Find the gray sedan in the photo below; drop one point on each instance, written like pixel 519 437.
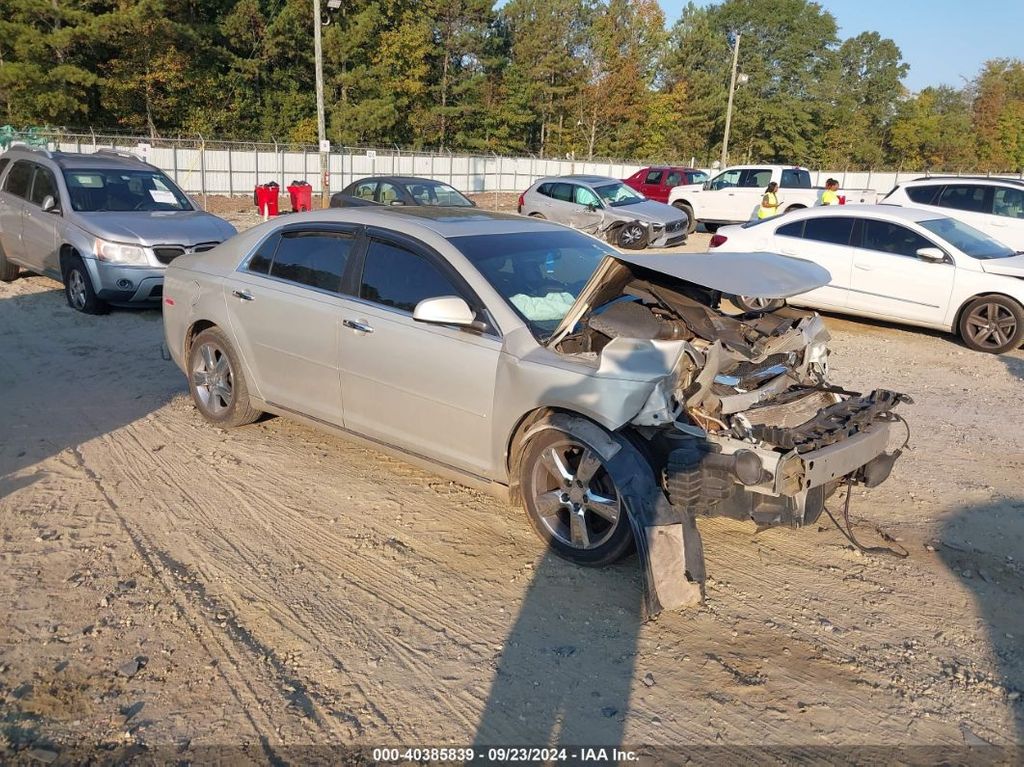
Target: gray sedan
pixel 607 207
pixel 607 394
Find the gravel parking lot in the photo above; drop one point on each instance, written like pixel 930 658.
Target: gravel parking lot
pixel 166 583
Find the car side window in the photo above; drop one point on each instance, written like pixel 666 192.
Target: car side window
pixel 923 195
pixel 888 237
pixel 654 177
pixel 794 178
pixel 1008 202
pixel 396 277
pixel 726 180
pixel 584 196
pixel 260 261
pixel 835 230
pixel 365 190
pixel 562 192
pixel 967 197
pixel 544 189
pixel 793 229
pixel 674 178
pixel 316 259
pixel 388 193
pixel 44 186
pixel 754 177
pixel 4 161
pixel 19 179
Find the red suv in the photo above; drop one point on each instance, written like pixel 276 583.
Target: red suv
pixel 657 181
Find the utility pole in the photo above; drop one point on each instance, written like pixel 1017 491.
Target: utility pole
pixel 318 53
pixel 728 111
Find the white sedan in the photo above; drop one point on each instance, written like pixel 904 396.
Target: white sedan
pixel 899 264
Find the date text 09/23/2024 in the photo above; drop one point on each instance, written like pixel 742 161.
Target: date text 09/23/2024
pixel 504 754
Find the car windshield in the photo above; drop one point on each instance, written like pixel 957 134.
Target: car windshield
pixel 967 239
pixel 540 274
pixel 96 191
pixel 436 193
pixel 618 194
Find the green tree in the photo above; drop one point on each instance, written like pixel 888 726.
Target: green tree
pixel 998 105
pixel 932 131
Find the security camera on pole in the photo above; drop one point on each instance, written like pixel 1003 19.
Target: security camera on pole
pixel 318 53
pixel 734 39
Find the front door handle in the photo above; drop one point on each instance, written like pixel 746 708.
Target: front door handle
pixel 863 268
pixel 245 295
pixel 362 327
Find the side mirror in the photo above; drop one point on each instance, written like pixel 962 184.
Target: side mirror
pixel 444 310
pixel 935 255
pixel 706 186
pixel 50 205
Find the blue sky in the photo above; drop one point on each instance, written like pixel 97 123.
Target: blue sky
pixel 940 39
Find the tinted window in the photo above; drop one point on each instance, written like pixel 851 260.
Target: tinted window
pixel 967 197
pixel 435 193
pixel 654 177
pixel 3 164
pixel 316 259
pixel 260 260
pixel 364 190
pixel 794 229
pixel 1008 202
pixel 562 192
pixel 544 189
pixel 892 238
pixel 832 229
pixel 44 186
pixel 922 195
pixel 795 178
pixel 396 277
pixel 19 179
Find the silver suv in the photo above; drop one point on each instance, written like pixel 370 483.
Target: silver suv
pixel 105 224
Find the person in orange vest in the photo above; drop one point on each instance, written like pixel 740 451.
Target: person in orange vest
pixel 770 202
pixel 831 194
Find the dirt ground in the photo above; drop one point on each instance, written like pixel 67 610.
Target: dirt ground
pixel 170 585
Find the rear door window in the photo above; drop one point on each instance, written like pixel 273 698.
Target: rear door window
pixel 971 198
pixel 314 259
pixel 398 278
pixel 756 177
pixel 19 180
pixel 562 192
pixel 793 229
pixel 835 230
pixel 922 195
pixel 795 178
pixel 675 178
pixel 44 186
pixel 887 237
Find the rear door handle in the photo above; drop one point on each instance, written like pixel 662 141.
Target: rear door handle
pixel 245 295
pixel 362 327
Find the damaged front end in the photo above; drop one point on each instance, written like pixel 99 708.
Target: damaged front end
pixel 744 425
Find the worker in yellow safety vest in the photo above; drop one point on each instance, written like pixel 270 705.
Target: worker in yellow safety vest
pixel 831 194
pixel 770 202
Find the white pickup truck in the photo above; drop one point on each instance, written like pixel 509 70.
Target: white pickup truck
pixel 734 195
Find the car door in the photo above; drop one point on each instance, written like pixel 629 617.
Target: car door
pixel 672 179
pixel 889 280
pixel 13 201
pixel 825 240
pixel 745 199
pixel 1007 219
pixel 425 388
pixel 38 227
pixel 715 201
pixel 285 307
pixel 561 202
pixel 586 210
pixel 651 187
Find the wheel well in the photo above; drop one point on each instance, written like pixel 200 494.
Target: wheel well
pixel 681 203
pixel 66 252
pixel 960 312
pixel 194 330
pixel 795 207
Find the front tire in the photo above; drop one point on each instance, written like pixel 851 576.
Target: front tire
pixel 572 501
pixel 756 305
pixel 631 236
pixel 691 222
pixel 993 324
pixel 216 381
pixel 78 289
pixel 8 271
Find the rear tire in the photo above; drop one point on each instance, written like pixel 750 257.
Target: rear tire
pixel 216 381
pixel 993 324
pixel 8 271
pixel 691 225
pixel 78 288
pixel 537 215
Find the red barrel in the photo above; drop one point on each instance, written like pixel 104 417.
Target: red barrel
pixel 301 194
pixel 264 197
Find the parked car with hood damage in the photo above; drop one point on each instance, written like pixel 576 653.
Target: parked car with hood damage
pixel 606 207
pixel 606 393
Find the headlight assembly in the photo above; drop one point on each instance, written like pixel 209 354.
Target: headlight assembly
pixel 116 253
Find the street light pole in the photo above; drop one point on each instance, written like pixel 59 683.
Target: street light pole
pixel 318 53
pixel 728 111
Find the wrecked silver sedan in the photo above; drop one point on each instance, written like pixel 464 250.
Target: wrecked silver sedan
pixel 607 394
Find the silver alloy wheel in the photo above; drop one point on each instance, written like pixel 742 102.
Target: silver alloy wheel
pixel 76 289
pixel 574 496
pixel 631 234
pixel 991 325
pixel 212 378
pixel 756 302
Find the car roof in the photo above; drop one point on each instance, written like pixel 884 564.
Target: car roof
pixel 944 179
pixel 403 180
pixel 445 222
pixel 581 178
pixel 914 215
pixel 103 158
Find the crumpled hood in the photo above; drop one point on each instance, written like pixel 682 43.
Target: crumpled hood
pixel 1011 267
pixel 768 275
pixel 188 227
pixel 648 211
